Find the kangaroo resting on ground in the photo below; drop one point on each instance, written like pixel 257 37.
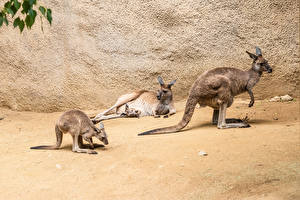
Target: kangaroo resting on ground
pixel 143 103
pixel 216 88
pixel 79 125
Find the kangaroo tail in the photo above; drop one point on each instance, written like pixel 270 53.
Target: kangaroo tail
pixel 59 136
pixel 188 113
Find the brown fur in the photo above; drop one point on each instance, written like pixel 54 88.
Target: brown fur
pixel 216 88
pixel 78 124
pixel 142 103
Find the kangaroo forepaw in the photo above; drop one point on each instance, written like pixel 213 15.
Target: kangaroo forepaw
pixel 246 120
pixel 166 116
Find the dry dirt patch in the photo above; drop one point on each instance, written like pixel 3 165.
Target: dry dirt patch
pixel 261 162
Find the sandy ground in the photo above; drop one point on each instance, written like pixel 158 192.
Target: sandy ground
pixel 261 162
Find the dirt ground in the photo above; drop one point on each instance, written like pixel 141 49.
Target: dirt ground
pixel 260 162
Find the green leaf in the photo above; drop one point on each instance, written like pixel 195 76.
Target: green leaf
pixel 31 2
pixel 17 22
pixel 5 20
pixel 10 11
pixel 49 15
pixel 7 4
pixel 30 18
pixel 1 20
pixel 25 7
pixel 32 12
pixel 27 21
pixel 14 10
pixel 17 4
pixel 43 10
pixel 21 25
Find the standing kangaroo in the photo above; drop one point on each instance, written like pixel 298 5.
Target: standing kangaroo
pixel 216 88
pixel 78 124
pixel 143 103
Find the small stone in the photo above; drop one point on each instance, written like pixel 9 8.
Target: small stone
pixel 286 98
pixel 275 99
pixel 202 153
pixel 58 166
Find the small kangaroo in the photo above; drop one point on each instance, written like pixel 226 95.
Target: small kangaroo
pixel 78 124
pixel 143 103
pixel 128 113
pixel 216 88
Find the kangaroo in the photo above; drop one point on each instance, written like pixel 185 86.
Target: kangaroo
pixel 128 113
pixel 143 103
pixel 216 88
pixel 78 124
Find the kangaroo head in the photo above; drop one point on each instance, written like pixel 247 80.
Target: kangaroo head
pixel 101 134
pixel 165 95
pixel 259 63
pixel 131 112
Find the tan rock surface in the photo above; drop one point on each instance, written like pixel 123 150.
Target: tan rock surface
pixel 97 50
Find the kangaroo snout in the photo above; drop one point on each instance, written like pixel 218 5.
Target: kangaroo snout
pixel 158 95
pixel 270 70
pixel 105 141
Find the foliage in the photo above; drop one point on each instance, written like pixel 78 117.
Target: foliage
pixel 27 15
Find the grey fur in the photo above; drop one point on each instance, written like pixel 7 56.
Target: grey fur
pixel 258 51
pixel 160 80
pixel 216 88
pixel 78 124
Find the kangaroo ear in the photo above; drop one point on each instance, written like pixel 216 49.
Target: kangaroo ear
pixel 258 51
pixel 171 84
pixel 254 57
pixel 160 80
pixel 101 126
pixel 126 106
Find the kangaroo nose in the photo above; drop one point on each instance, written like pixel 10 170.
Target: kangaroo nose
pixel 270 70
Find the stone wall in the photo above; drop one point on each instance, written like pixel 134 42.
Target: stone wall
pixel 97 50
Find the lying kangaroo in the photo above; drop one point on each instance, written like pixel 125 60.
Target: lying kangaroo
pixel 143 103
pixel 216 88
pixel 78 124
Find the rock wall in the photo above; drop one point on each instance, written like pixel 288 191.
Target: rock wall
pixel 97 50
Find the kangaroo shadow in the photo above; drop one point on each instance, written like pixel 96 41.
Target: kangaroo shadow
pixel 85 146
pixel 260 121
pixel 210 124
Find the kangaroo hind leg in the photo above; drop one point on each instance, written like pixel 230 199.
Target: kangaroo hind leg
pixel 222 124
pixel 76 148
pixel 228 120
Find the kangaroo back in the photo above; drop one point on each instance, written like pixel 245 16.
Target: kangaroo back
pixel 59 136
